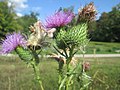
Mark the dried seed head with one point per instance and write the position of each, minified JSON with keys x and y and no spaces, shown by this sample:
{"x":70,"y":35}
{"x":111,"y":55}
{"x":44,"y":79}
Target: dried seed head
{"x":38,"y":34}
{"x":86,"y":66}
{"x":87,"y":13}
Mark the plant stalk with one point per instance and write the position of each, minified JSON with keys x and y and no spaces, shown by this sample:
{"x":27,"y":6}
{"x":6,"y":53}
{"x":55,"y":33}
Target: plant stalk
{"x":36,"y":72}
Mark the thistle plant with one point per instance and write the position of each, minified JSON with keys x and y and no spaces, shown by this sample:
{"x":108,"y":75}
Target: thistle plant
{"x":27,"y":50}
{"x":68,"y":42}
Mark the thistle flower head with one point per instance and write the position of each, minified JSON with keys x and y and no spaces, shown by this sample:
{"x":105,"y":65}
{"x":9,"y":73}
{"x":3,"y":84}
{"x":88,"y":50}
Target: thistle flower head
{"x":87,"y":13}
{"x":12,"y":41}
{"x":59,"y":19}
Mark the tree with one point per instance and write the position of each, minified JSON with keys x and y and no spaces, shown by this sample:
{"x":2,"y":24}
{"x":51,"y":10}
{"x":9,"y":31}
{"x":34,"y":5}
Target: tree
{"x":27,"y":20}
{"x":115,"y":22}
{"x":108,"y":26}
{"x":8,"y":21}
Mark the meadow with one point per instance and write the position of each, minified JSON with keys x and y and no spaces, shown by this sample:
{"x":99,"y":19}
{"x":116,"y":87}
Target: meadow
{"x":15,"y":75}
{"x":103,"y":48}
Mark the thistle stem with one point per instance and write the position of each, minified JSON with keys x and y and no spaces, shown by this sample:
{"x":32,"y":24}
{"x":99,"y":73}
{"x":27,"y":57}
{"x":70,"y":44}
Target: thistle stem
{"x":60,"y":77}
{"x":36,"y":72}
{"x":83,"y":59}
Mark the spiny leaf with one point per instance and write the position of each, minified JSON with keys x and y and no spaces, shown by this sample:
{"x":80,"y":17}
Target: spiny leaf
{"x":24,"y":54}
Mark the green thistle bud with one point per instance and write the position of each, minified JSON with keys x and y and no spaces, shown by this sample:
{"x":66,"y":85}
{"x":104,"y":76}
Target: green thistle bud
{"x":24,"y":54}
{"x":76,"y":36}
{"x":60,"y":42}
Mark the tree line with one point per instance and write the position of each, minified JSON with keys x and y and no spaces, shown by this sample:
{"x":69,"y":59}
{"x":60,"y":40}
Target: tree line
{"x":10,"y":22}
{"x":106,"y":28}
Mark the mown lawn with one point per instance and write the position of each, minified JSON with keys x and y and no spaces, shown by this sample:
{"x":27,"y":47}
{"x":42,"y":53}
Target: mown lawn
{"x":103,"y":48}
{"x":15,"y":75}
{"x":99,"y":48}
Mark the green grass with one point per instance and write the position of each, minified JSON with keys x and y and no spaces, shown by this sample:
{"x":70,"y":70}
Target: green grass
{"x":98,"y":48}
{"x":14,"y":75}
{"x":105,"y":73}
{"x":103,"y":48}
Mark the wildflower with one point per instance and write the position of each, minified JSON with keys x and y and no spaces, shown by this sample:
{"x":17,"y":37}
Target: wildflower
{"x":59,"y":19}
{"x":87,"y":13}
{"x":12,"y":41}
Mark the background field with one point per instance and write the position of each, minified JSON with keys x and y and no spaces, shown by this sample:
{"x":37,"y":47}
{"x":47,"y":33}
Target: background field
{"x":103,"y":48}
{"x":98,"y":48}
{"x":14,"y":75}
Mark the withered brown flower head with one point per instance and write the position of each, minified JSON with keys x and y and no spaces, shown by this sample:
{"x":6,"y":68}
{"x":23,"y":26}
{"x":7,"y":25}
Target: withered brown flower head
{"x":86,"y":66}
{"x":37,"y":37}
{"x":87,"y":13}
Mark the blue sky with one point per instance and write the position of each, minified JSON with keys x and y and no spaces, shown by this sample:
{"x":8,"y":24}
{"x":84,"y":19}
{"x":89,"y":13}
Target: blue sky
{"x":48,"y":7}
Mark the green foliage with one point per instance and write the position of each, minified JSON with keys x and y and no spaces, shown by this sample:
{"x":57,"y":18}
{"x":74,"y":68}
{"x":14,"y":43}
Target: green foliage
{"x":24,"y":54}
{"x":67,"y":40}
{"x":15,"y":75}
{"x":76,"y":36}
{"x":8,"y":19}
{"x":108,"y":26}
{"x":10,"y":22}
{"x":27,"y":20}
{"x":103,"y":48}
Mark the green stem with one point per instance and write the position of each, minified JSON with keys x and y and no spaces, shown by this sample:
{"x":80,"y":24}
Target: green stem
{"x":62,"y":83}
{"x":68,"y":81}
{"x":67,"y":85}
{"x":68,"y":66}
{"x":36,"y":72}
{"x":59,"y":81}
{"x":71,"y":54}
{"x":60,"y":77}
{"x":83,"y":58}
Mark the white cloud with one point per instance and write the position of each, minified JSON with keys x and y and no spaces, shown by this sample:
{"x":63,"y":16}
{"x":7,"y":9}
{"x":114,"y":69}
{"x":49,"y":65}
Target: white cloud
{"x":19,"y":14}
{"x":9,"y":4}
{"x":18,"y":4}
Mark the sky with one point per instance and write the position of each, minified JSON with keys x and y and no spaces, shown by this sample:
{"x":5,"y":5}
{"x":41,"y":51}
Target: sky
{"x":47,"y":7}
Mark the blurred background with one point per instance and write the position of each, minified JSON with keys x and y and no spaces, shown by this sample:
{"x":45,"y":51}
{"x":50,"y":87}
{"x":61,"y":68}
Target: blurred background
{"x":104,"y":34}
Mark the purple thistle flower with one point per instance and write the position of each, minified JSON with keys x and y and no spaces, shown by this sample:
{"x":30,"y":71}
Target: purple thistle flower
{"x":12,"y":41}
{"x":59,"y":19}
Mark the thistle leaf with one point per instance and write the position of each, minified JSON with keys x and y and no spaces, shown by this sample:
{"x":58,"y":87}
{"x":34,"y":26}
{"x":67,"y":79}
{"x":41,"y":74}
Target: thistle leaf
{"x":24,"y":54}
